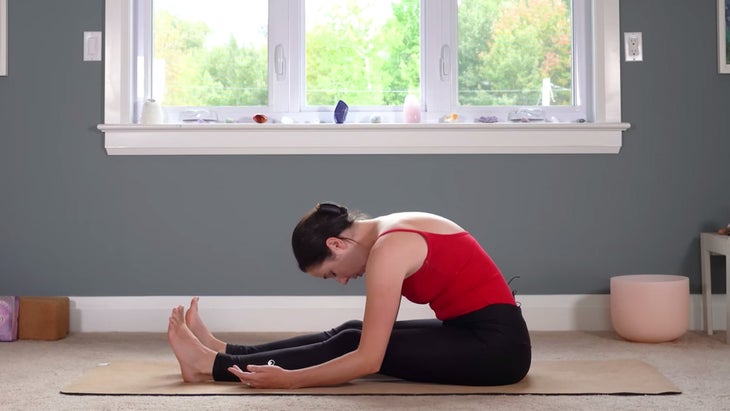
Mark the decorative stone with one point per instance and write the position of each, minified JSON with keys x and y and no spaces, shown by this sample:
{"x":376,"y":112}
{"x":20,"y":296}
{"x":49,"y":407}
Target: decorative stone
{"x":341,"y":112}
{"x":450,"y":118}
{"x":199,"y":116}
{"x":526,"y":115}
{"x":487,"y":119}
{"x":260,"y":118}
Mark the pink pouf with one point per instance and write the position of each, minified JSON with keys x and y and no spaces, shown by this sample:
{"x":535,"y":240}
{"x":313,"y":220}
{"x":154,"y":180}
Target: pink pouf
{"x":650,"y":307}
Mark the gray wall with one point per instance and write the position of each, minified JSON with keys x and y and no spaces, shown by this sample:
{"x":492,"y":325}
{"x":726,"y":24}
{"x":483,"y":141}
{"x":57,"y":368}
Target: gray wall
{"x":74,"y":221}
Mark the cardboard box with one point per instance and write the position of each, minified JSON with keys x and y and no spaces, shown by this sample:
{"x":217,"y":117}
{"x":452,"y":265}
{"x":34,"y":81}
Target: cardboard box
{"x":43,"y":318}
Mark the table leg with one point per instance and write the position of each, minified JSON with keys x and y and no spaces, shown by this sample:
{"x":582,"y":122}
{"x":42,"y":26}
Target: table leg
{"x":706,"y":291}
{"x":727,"y":299}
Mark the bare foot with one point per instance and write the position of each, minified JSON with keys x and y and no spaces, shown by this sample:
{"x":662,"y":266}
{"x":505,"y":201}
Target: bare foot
{"x":200,"y":330}
{"x":196,"y":360}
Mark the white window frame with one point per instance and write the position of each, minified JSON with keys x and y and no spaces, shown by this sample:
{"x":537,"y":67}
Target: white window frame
{"x":123,"y":137}
{"x":3,"y":38}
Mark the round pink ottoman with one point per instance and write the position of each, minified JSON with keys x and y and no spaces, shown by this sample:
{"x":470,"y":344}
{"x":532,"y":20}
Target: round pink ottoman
{"x":650,"y":307}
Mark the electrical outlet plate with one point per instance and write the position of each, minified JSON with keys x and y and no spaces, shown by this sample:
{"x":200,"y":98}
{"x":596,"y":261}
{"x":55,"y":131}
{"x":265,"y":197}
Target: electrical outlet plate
{"x":633,"y":47}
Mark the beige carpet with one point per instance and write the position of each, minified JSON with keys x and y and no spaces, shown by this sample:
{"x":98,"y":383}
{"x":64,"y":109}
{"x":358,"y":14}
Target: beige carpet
{"x":545,"y":377}
{"x":32,"y":374}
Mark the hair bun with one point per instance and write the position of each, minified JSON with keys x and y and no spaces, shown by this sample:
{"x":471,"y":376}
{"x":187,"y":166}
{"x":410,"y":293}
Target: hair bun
{"x":331,"y":208}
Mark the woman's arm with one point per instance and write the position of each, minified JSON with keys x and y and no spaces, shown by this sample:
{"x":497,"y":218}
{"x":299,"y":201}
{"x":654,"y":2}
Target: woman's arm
{"x":391,"y":259}
{"x":383,"y":282}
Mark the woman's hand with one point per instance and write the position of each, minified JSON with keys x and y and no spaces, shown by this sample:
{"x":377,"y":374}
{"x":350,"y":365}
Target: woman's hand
{"x":263,"y":376}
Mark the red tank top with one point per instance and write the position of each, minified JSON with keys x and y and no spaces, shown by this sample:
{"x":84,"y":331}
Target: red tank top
{"x":457,"y":276}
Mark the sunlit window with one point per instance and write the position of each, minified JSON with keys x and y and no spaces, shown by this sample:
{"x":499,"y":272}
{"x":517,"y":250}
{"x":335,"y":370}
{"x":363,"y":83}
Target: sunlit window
{"x":231,"y":59}
{"x":364,"y":52}
{"x":551,"y":63}
{"x":515,"y":53}
{"x":212,"y":53}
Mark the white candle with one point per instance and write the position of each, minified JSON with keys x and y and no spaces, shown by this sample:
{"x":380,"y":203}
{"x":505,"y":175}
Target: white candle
{"x":152,"y":113}
{"x":411,"y":109}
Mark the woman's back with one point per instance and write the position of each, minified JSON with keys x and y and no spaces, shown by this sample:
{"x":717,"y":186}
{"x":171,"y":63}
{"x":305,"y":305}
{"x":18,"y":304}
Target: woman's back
{"x":419,"y":221}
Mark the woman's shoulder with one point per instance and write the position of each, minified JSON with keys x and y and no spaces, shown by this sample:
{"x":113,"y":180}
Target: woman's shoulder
{"x":417,"y":221}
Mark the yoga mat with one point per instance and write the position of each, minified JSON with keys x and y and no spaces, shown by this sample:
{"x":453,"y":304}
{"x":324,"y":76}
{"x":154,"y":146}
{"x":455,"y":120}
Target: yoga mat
{"x":545,"y":377}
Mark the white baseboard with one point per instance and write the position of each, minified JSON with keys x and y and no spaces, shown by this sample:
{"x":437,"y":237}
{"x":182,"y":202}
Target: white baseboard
{"x":589,"y":312}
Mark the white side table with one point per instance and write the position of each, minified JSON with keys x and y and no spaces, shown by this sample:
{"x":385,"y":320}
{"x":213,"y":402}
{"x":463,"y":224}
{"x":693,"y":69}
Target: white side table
{"x":712,"y":243}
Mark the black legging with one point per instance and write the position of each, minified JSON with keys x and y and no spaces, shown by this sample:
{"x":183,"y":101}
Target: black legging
{"x":490,"y":346}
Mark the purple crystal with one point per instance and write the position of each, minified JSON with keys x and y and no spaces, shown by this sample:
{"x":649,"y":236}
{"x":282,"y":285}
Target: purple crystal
{"x":340,"y":112}
{"x":488,"y":119}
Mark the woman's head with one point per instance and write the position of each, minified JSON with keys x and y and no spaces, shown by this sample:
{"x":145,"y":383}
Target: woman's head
{"x":309,"y":237}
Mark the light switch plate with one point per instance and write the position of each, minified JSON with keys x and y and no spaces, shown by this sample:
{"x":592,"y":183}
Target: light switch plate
{"x":92,"y":46}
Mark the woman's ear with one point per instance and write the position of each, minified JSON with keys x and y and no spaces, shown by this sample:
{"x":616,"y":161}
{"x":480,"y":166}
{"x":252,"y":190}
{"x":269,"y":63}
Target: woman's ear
{"x":334,"y":243}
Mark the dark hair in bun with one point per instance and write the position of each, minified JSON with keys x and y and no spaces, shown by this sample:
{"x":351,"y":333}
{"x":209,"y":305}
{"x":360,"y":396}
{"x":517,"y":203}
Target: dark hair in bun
{"x":308,"y":239}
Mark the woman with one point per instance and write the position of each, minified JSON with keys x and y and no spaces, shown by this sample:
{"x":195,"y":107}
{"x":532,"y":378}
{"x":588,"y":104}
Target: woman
{"x":479,"y":338}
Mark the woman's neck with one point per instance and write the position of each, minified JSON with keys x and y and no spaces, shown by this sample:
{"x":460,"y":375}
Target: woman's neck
{"x":364,"y":232}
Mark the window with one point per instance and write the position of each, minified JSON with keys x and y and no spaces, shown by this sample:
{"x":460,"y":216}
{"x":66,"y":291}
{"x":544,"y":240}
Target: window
{"x":294,"y":59}
{"x":518,"y":53}
{"x":199,"y":56}
{"x":509,"y":54}
{"x":366,"y":53}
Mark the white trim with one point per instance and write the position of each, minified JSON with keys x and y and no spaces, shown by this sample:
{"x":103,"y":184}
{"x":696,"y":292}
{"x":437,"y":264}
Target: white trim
{"x":362,"y":138}
{"x":439,"y":52}
{"x":589,"y":312}
{"x":722,"y":66}
{"x":3,"y":37}
{"x":117,"y":65}
{"x":607,"y":61}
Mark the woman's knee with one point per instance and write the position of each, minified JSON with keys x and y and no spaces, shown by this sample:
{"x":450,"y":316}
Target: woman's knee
{"x":343,"y":342}
{"x":351,"y":336}
{"x":350,"y":325}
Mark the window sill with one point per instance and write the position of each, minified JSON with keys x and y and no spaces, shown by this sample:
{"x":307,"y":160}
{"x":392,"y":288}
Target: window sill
{"x":457,"y":138}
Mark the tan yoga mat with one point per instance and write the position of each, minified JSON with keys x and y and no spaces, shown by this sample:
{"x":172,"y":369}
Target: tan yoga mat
{"x":545,"y":377}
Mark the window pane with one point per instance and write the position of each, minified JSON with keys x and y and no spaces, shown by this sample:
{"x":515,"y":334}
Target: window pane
{"x":515,"y":52}
{"x":211,"y":53}
{"x":365,"y":52}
